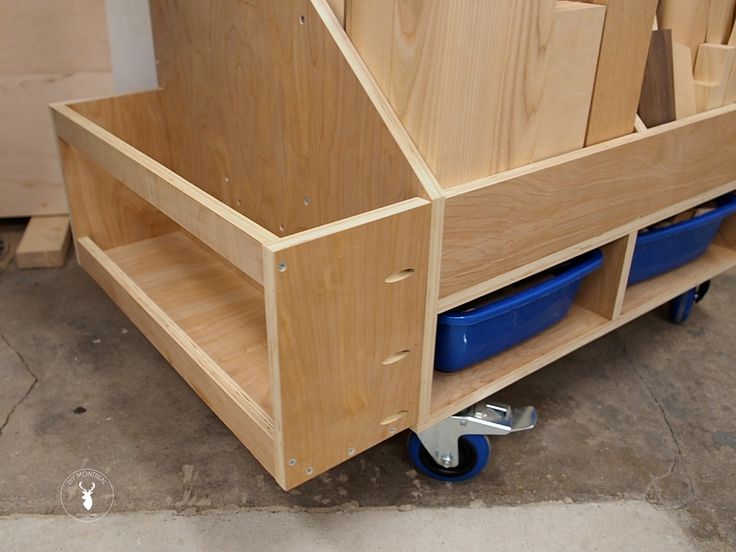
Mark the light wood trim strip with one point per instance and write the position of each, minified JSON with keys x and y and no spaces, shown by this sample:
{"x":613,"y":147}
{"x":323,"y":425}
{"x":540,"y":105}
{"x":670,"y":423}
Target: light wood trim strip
{"x":346,"y":224}
{"x":243,"y":416}
{"x":223,"y":229}
{"x":603,"y":291}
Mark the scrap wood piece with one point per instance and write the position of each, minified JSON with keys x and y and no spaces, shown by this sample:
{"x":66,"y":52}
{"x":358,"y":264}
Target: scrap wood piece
{"x":657,"y":102}
{"x":45,"y":243}
{"x":712,"y":75}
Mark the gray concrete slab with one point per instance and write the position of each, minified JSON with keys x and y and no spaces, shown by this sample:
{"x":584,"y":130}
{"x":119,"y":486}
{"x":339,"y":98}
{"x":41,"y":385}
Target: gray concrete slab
{"x":612,"y":527}
{"x":645,"y":414}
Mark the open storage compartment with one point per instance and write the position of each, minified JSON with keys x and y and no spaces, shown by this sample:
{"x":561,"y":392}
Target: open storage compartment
{"x":282,"y":225}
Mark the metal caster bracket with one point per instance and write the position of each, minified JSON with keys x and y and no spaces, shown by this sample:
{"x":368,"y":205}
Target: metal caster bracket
{"x":483,"y":418}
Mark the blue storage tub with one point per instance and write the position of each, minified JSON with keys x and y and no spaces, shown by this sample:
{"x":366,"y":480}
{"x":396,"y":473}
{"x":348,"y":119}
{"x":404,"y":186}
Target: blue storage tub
{"x":478,"y":330}
{"x":660,"y":250}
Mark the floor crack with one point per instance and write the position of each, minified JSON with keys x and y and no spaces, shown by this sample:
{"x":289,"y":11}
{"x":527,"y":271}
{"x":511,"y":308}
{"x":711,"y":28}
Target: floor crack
{"x":677,"y":449}
{"x":30,"y":387}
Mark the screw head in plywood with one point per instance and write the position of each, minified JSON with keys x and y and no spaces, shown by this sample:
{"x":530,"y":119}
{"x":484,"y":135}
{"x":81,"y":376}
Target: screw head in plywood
{"x":282,"y":266}
{"x":292,"y":461}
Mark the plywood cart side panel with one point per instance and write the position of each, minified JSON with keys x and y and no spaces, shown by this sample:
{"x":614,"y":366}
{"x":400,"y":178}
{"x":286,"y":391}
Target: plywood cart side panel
{"x":350,"y":322}
{"x":265,"y":113}
{"x":507,"y":224}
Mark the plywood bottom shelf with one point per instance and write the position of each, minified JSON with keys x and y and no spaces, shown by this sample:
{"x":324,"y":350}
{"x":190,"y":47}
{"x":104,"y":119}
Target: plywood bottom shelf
{"x":647,"y":295}
{"x":221,"y":311}
{"x":453,"y":392}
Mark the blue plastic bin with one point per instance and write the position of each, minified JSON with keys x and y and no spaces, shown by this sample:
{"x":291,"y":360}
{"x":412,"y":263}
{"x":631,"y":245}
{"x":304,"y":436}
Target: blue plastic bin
{"x":663,"y":249}
{"x":476,"y":331}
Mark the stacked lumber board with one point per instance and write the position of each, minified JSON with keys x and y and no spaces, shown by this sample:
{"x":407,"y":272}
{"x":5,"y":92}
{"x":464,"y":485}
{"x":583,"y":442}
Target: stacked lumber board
{"x":692,"y":60}
{"x":485,"y":86}
{"x":508,"y":83}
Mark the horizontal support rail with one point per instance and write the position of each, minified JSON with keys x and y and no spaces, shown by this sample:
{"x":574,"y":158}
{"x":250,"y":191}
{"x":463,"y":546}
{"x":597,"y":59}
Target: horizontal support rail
{"x":227,"y":232}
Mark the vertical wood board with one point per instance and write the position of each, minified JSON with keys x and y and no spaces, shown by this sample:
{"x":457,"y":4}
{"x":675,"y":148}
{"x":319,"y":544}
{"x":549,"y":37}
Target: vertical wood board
{"x":623,"y":54}
{"x":712,"y":74}
{"x":465,"y":77}
{"x":720,"y":21}
{"x":682,"y":67}
{"x":657,"y":104}
{"x":573,"y":58}
{"x":688,"y":20}
{"x":349,"y":343}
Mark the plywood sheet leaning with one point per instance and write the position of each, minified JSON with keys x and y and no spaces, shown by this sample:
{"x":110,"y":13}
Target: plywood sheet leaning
{"x":682,"y":67}
{"x":623,"y":56}
{"x":688,"y":20}
{"x":657,"y":103}
{"x":720,"y":21}
{"x":482,"y":86}
{"x":49,"y":51}
{"x":568,"y":89}
{"x":712,"y":75}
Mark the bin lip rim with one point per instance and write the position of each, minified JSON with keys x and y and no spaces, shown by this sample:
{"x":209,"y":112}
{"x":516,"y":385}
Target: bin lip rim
{"x":728,"y":207}
{"x":582,"y":267}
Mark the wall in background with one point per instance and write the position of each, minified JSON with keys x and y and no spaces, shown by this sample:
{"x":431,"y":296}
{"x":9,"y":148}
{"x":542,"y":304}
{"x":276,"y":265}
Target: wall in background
{"x":131,"y":45}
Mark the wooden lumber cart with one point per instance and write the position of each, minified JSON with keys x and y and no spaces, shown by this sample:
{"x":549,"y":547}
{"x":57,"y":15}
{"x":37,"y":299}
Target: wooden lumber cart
{"x":316,"y":183}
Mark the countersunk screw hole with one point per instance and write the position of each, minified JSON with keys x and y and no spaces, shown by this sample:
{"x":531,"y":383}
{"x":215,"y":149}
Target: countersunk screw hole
{"x":282,"y":267}
{"x":302,"y":20}
{"x":292,"y":461}
{"x":306,"y":201}
{"x":309,"y":470}
{"x":351,"y":451}
{"x":281,"y":227}
{"x":392,"y":431}
{"x":238,"y":202}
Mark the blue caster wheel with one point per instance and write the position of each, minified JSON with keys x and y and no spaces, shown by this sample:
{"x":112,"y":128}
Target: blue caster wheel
{"x":474,"y":451}
{"x":680,"y":307}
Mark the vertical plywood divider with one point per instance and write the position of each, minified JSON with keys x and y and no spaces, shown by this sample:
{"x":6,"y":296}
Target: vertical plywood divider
{"x":603,"y":291}
{"x":347,"y":312}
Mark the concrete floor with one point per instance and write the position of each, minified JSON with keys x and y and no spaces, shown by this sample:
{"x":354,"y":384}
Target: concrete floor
{"x":644,"y":416}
